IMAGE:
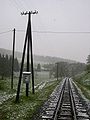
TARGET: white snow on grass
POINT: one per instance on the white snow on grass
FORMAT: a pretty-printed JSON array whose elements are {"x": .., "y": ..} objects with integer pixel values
[
  {"x": 37, "y": 86},
  {"x": 4, "y": 97},
  {"x": 42, "y": 86}
]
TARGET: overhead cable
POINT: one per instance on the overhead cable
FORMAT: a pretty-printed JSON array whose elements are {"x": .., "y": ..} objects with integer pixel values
[
  {"x": 5, "y": 32},
  {"x": 59, "y": 32},
  {"x": 51, "y": 32}
]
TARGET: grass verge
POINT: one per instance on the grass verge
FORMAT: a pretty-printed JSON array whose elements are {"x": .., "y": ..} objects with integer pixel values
[
  {"x": 27, "y": 106},
  {"x": 83, "y": 82}
]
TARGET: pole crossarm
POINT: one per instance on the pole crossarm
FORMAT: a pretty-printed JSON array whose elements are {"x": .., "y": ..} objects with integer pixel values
[{"x": 30, "y": 12}]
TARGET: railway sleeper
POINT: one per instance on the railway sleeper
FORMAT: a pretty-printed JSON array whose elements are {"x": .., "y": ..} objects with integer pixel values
[{"x": 65, "y": 112}]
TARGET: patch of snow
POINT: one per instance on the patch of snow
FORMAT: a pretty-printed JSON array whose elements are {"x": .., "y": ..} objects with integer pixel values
[
  {"x": 41, "y": 86},
  {"x": 38, "y": 85},
  {"x": 87, "y": 82},
  {"x": 5, "y": 97}
]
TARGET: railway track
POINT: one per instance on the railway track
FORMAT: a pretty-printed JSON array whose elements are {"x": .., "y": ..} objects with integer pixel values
[{"x": 64, "y": 104}]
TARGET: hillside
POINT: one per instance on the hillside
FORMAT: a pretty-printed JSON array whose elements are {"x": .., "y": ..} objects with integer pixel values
[{"x": 37, "y": 58}]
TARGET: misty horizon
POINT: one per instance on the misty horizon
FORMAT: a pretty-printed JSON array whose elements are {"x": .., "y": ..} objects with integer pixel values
[
  {"x": 55, "y": 16},
  {"x": 43, "y": 55}
]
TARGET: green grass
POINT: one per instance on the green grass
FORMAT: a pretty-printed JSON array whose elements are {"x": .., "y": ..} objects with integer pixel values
[
  {"x": 39, "y": 77},
  {"x": 83, "y": 84},
  {"x": 84, "y": 90},
  {"x": 6, "y": 84},
  {"x": 3, "y": 84},
  {"x": 27, "y": 106}
]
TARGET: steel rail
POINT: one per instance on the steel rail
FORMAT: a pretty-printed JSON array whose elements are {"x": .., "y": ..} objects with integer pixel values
[
  {"x": 71, "y": 101},
  {"x": 60, "y": 100}
]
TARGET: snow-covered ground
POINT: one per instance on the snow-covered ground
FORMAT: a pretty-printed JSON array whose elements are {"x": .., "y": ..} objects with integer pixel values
[
  {"x": 4, "y": 96},
  {"x": 42, "y": 84}
]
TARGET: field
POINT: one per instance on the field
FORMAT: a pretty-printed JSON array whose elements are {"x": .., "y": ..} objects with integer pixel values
[{"x": 24, "y": 110}]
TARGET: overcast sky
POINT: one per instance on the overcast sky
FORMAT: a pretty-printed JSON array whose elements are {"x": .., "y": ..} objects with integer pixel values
[{"x": 53, "y": 15}]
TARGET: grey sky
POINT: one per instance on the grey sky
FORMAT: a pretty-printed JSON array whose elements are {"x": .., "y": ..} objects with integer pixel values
[{"x": 54, "y": 15}]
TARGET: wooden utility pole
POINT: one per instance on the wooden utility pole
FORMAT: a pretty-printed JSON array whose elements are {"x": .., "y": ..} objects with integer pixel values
[
  {"x": 13, "y": 58},
  {"x": 28, "y": 64},
  {"x": 57, "y": 69},
  {"x": 28, "y": 41}
]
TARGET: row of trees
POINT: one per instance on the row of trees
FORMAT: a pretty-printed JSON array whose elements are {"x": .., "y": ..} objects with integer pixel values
[
  {"x": 6, "y": 65},
  {"x": 67, "y": 69},
  {"x": 70, "y": 69},
  {"x": 64, "y": 69}
]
